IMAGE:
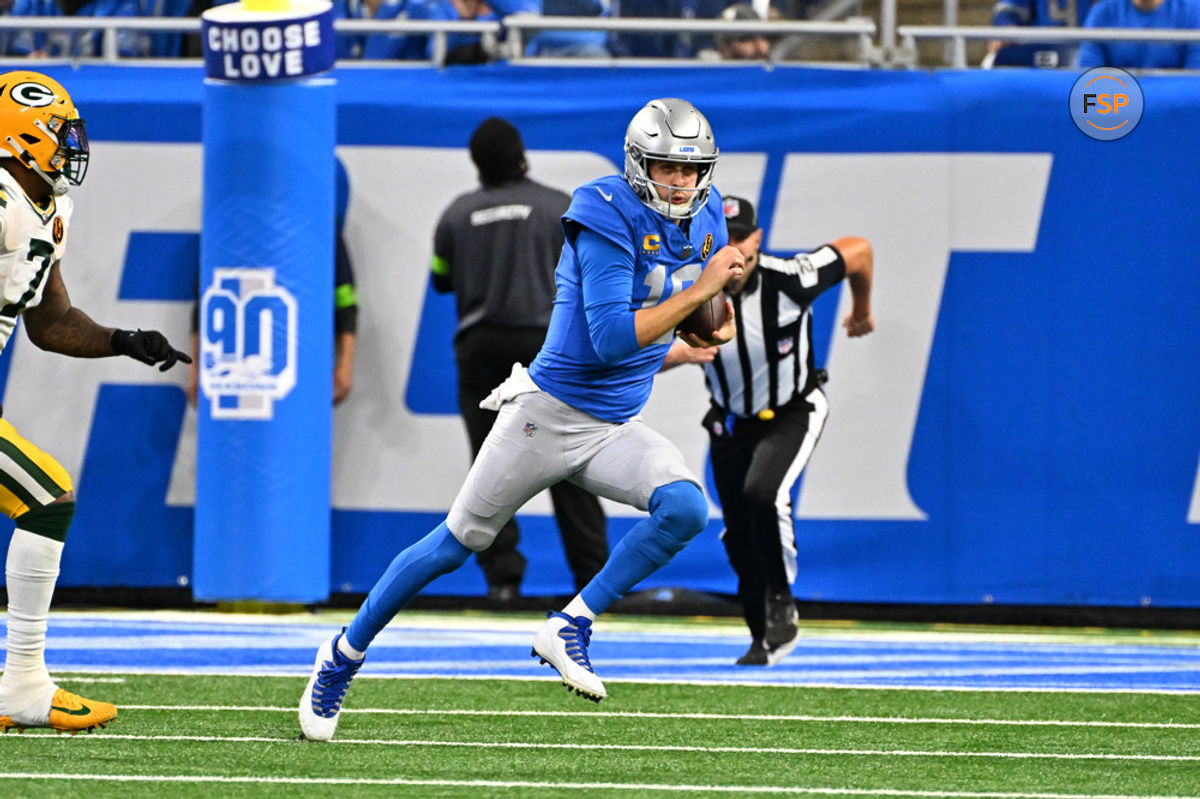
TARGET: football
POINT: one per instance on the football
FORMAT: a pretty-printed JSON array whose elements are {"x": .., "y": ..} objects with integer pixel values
[{"x": 706, "y": 318}]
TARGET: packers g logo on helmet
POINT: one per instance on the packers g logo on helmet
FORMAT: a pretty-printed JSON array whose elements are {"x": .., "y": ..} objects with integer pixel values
[
  {"x": 34, "y": 95},
  {"x": 40, "y": 126}
]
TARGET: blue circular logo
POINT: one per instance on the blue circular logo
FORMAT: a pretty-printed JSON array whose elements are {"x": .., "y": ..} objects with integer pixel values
[{"x": 1106, "y": 103}]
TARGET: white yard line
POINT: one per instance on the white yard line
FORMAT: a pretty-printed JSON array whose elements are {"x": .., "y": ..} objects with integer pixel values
[
  {"x": 592, "y": 747},
  {"x": 1151, "y": 725},
  {"x": 614, "y": 786},
  {"x": 832, "y": 632},
  {"x": 297, "y": 671}
]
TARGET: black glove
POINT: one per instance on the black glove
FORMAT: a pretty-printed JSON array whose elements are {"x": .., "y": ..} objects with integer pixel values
[{"x": 147, "y": 346}]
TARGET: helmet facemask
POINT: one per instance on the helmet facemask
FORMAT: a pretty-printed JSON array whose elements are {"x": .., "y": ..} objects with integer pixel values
[
  {"x": 647, "y": 188},
  {"x": 71, "y": 158}
]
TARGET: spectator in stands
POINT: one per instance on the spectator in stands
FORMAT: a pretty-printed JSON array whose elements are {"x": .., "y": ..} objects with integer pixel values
[
  {"x": 352, "y": 45},
  {"x": 461, "y": 48},
  {"x": 1044, "y": 13},
  {"x": 1183, "y": 14},
  {"x": 746, "y": 47},
  {"x": 665, "y": 44},
  {"x": 6, "y": 36},
  {"x": 72, "y": 44},
  {"x": 572, "y": 44},
  {"x": 169, "y": 45}
]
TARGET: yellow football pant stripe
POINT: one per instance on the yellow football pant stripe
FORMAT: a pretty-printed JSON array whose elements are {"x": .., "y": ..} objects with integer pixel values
[{"x": 27, "y": 474}]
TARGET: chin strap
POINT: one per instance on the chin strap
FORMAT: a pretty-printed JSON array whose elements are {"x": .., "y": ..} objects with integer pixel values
[{"x": 58, "y": 183}]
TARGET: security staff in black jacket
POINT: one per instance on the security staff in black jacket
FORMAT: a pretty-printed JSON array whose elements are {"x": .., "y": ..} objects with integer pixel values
[
  {"x": 496, "y": 248},
  {"x": 768, "y": 410}
]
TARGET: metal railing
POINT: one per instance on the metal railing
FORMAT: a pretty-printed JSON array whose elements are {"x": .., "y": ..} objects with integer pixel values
[
  {"x": 519, "y": 28},
  {"x": 959, "y": 35}
]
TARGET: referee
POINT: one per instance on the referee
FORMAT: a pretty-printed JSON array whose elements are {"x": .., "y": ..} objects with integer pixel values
[{"x": 767, "y": 413}]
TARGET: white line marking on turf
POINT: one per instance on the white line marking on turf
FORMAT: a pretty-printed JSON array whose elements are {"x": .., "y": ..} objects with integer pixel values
[
  {"x": 616, "y": 786},
  {"x": 305, "y": 671},
  {"x": 737, "y": 750},
  {"x": 59, "y": 678},
  {"x": 1150, "y": 725}
]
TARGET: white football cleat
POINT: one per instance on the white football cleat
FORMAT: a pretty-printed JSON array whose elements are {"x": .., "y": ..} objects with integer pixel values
[
  {"x": 326, "y": 690},
  {"x": 563, "y": 644}
]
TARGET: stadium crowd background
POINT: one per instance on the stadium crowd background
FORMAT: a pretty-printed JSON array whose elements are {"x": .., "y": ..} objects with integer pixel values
[{"x": 470, "y": 48}]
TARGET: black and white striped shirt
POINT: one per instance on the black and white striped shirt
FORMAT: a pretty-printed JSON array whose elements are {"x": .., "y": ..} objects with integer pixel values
[{"x": 770, "y": 361}]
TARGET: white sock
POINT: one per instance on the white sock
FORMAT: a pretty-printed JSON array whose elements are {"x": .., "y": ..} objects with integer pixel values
[
  {"x": 349, "y": 651},
  {"x": 31, "y": 571},
  {"x": 577, "y": 607}
]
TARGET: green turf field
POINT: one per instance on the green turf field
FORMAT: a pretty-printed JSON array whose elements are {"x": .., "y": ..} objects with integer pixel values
[{"x": 238, "y": 736}]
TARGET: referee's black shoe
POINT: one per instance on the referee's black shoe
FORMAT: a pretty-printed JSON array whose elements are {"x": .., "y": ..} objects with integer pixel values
[
  {"x": 756, "y": 655},
  {"x": 781, "y": 619}
]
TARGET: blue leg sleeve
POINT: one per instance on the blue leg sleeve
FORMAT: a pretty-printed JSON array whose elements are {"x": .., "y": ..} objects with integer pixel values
[
  {"x": 413, "y": 569},
  {"x": 678, "y": 511}
]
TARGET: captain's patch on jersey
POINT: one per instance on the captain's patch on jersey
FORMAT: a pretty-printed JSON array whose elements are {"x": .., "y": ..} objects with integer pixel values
[
  {"x": 58, "y": 231},
  {"x": 707, "y": 248}
]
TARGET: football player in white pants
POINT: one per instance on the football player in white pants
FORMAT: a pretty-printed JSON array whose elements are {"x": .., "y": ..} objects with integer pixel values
[
  {"x": 643, "y": 250},
  {"x": 43, "y": 151}
]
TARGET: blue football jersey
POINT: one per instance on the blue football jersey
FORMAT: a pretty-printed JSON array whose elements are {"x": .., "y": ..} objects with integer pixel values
[{"x": 667, "y": 258}]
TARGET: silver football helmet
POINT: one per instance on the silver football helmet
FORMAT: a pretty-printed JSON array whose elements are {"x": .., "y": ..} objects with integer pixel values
[{"x": 669, "y": 129}]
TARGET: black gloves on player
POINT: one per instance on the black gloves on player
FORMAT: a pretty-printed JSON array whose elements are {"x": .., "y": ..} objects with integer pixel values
[{"x": 147, "y": 346}]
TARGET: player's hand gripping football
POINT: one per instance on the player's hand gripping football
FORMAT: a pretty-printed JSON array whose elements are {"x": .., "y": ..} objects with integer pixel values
[
  {"x": 147, "y": 346},
  {"x": 724, "y": 265}
]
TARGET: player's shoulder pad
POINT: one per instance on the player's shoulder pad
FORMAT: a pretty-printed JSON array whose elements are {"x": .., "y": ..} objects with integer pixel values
[
  {"x": 712, "y": 217},
  {"x": 605, "y": 205}
]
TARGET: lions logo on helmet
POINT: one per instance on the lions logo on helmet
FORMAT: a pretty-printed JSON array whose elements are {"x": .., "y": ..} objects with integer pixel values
[
  {"x": 669, "y": 129},
  {"x": 40, "y": 126}
]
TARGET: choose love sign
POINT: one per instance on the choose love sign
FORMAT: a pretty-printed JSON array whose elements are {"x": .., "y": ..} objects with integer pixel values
[{"x": 267, "y": 40}]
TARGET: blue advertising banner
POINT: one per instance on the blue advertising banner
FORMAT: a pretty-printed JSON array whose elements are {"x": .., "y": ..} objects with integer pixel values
[{"x": 1022, "y": 428}]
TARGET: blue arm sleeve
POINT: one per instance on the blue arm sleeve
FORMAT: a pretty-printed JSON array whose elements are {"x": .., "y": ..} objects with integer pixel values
[{"x": 607, "y": 276}]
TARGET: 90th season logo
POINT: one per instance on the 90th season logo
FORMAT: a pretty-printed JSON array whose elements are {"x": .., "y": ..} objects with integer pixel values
[
  {"x": 1106, "y": 103},
  {"x": 247, "y": 343}
]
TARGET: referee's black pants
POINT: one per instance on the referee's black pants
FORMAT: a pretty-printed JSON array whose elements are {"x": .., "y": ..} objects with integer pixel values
[
  {"x": 485, "y": 354},
  {"x": 755, "y": 467}
]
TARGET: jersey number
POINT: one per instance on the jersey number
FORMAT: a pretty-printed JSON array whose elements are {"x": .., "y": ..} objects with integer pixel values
[
  {"x": 656, "y": 281},
  {"x": 37, "y": 249}
]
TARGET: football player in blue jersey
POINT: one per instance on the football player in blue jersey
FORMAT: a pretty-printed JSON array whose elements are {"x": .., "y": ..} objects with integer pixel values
[{"x": 642, "y": 251}]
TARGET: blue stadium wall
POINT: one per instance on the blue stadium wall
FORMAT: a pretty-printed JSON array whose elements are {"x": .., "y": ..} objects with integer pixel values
[{"x": 1024, "y": 427}]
